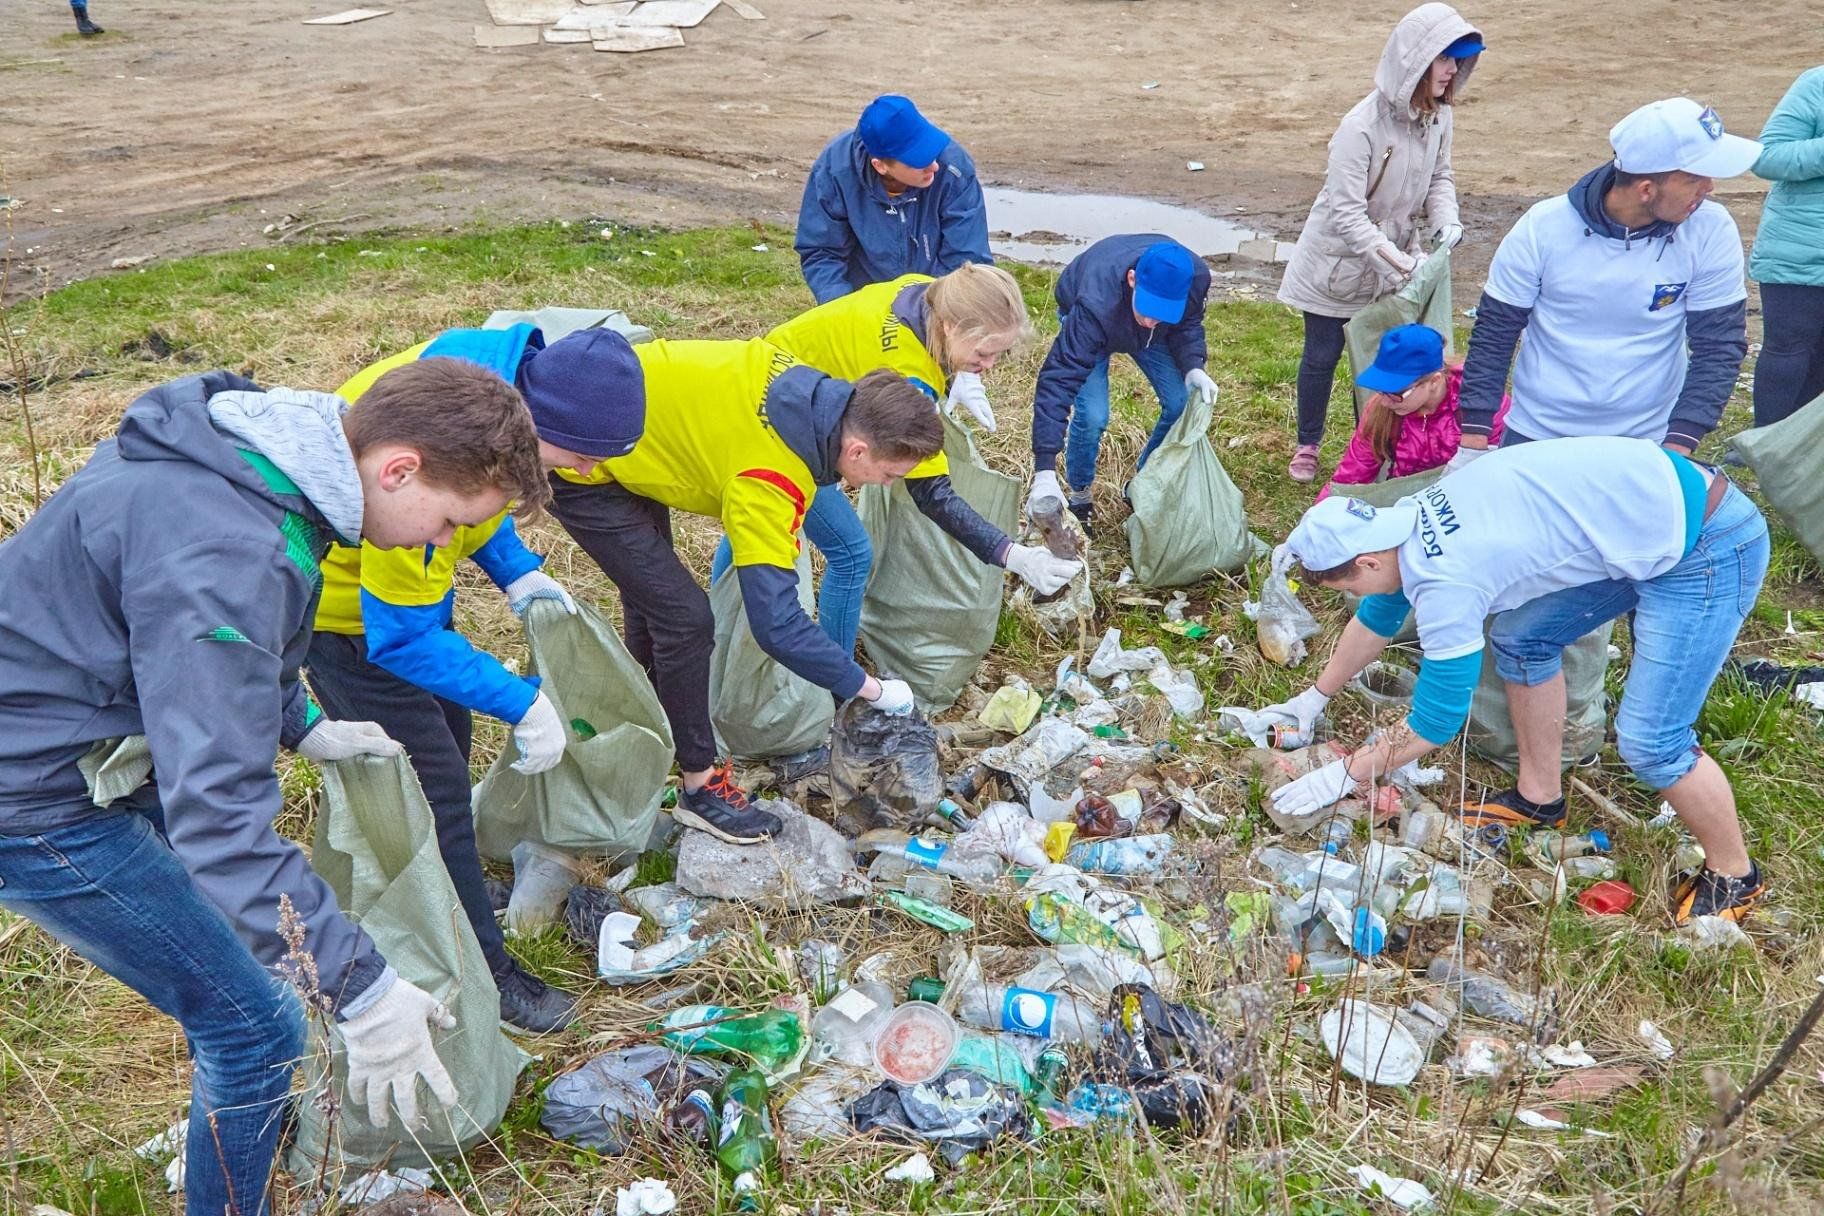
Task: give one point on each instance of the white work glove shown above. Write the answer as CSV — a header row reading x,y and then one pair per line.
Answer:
x,y
1315,790
1198,382
1463,458
389,1049
895,697
1305,709
536,585
332,739
1043,572
1447,236
1394,265
540,737
1044,485
966,390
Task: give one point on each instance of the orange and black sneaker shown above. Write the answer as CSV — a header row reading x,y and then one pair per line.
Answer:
x,y
721,808
1509,809
1707,893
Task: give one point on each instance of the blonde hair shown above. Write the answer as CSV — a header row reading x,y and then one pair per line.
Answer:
x,y
972,303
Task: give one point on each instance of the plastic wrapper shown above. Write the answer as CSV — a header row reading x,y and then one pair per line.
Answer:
x,y
884,769
959,1112
614,1097
1282,622
1167,1055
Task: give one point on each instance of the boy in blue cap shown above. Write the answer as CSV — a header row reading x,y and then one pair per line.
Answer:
x,y
894,196
1141,295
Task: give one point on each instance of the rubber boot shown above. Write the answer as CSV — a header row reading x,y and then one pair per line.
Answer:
x,y
84,26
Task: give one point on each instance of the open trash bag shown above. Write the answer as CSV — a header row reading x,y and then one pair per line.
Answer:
x,y
1586,663
603,796
556,322
760,707
884,769
932,606
1424,300
1788,459
376,847
1188,518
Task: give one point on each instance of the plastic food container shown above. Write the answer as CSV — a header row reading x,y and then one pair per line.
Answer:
x,y
915,1043
1386,684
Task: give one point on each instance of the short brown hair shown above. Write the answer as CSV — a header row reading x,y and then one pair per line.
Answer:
x,y
1324,578
471,427
895,420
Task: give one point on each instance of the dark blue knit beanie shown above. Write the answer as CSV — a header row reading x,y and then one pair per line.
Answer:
x,y
587,393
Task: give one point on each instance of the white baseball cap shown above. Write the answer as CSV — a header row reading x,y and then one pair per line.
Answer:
x,y
1680,134
1338,529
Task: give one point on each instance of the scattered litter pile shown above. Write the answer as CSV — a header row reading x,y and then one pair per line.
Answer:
x,y
607,25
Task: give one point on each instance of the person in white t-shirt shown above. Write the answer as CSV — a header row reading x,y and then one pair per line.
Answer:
x,y
1629,290
1551,539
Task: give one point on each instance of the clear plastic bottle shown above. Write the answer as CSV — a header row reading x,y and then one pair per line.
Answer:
x,y
1122,854
1061,1017
1483,995
929,854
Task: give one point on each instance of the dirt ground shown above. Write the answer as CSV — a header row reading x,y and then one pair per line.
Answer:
x,y
190,127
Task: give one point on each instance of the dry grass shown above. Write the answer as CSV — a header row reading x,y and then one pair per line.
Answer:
x,y
87,1070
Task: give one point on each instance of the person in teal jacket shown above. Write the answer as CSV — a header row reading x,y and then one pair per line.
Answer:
x,y
1788,259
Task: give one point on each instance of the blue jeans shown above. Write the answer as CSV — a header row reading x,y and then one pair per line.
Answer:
x,y
1685,623
111,889
832,525
1089,414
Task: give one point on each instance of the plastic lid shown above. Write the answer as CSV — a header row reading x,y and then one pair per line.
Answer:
x,y
915,1043
1600,839
1371,1044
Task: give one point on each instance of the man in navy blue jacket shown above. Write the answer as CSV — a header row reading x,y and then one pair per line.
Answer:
x,y
894,196
1141,295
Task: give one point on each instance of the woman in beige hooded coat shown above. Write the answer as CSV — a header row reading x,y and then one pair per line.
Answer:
x,y
1389,161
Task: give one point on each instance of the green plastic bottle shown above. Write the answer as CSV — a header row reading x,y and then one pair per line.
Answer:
x,y
770,1038
746,1147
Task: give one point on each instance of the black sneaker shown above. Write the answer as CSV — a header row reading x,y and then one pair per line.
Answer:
x,y
85,27
528,1003
1707,893
499,893
721,808
1084,511
1509,809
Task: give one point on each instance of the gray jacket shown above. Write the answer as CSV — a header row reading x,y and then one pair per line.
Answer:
x,y
1388,163
167,589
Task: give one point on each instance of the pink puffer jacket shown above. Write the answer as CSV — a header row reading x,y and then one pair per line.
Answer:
x,y
1424,442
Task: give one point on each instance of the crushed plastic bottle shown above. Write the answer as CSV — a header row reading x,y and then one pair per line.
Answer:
x,y
1048,521
1122,855
769,1038
1484,995
936,855
746,1147
1547,846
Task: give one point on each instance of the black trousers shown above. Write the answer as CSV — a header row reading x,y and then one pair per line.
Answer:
x,y
1317,374
1790,370
435,734
665,616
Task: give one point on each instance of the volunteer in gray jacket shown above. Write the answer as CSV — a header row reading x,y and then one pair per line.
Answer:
x,y
1389,162
167,590
1629,290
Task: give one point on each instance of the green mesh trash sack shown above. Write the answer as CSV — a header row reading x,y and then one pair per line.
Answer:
x,y
602,798
1188,518
1788,459
1424,300
376,847
1586,663
931,606
759,707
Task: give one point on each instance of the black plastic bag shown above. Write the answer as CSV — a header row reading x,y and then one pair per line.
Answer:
x,y
884,769
585,911
615,1096
960,1112
1167,1054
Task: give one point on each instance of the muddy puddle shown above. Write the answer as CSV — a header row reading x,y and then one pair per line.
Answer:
x,y
1030,226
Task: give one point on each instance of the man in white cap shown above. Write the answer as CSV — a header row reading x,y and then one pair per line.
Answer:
x,y
1629,289
1551,539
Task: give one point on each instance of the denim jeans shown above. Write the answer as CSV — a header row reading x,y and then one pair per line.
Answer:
x,y
1685,623
832,525
1089,414
110,888
1323,350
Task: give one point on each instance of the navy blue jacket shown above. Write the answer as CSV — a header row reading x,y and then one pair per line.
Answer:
x,y
851,232
1096,320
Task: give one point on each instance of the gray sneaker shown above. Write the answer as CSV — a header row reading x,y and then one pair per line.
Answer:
x,y
721,808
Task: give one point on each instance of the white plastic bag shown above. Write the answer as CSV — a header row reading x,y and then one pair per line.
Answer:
x,y
1282,623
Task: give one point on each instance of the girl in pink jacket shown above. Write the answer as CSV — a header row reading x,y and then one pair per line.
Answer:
x,y
1411,423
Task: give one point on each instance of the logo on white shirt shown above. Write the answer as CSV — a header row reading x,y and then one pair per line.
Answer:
x,y
1666,294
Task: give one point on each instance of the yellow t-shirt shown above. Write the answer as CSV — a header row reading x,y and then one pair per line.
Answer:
x,y
709,449
855,334
410,578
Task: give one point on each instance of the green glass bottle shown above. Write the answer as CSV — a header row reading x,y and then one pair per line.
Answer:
x,y
746,1147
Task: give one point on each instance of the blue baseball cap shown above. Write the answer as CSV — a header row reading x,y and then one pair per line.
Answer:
x,y
891,128
1407,352
1464,47
1162,282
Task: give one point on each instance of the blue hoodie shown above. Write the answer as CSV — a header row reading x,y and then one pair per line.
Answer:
x,y
1096,320
167,589
851,232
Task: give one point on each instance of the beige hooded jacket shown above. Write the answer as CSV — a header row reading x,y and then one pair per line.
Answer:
x,y
1388,163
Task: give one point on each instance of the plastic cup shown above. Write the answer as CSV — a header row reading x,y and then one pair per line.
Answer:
x,y
915,1043
1610,897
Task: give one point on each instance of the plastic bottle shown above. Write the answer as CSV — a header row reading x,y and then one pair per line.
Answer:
x,y
1041,1015
1338,835
1483,995
932,855
694,1118
1122,854
1559,846
769,1038
1097,818
1048,519
1421,829
746,1147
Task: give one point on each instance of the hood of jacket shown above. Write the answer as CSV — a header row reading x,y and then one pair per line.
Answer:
x,y
1586,197
805,407
1419,38
912,311
301,433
